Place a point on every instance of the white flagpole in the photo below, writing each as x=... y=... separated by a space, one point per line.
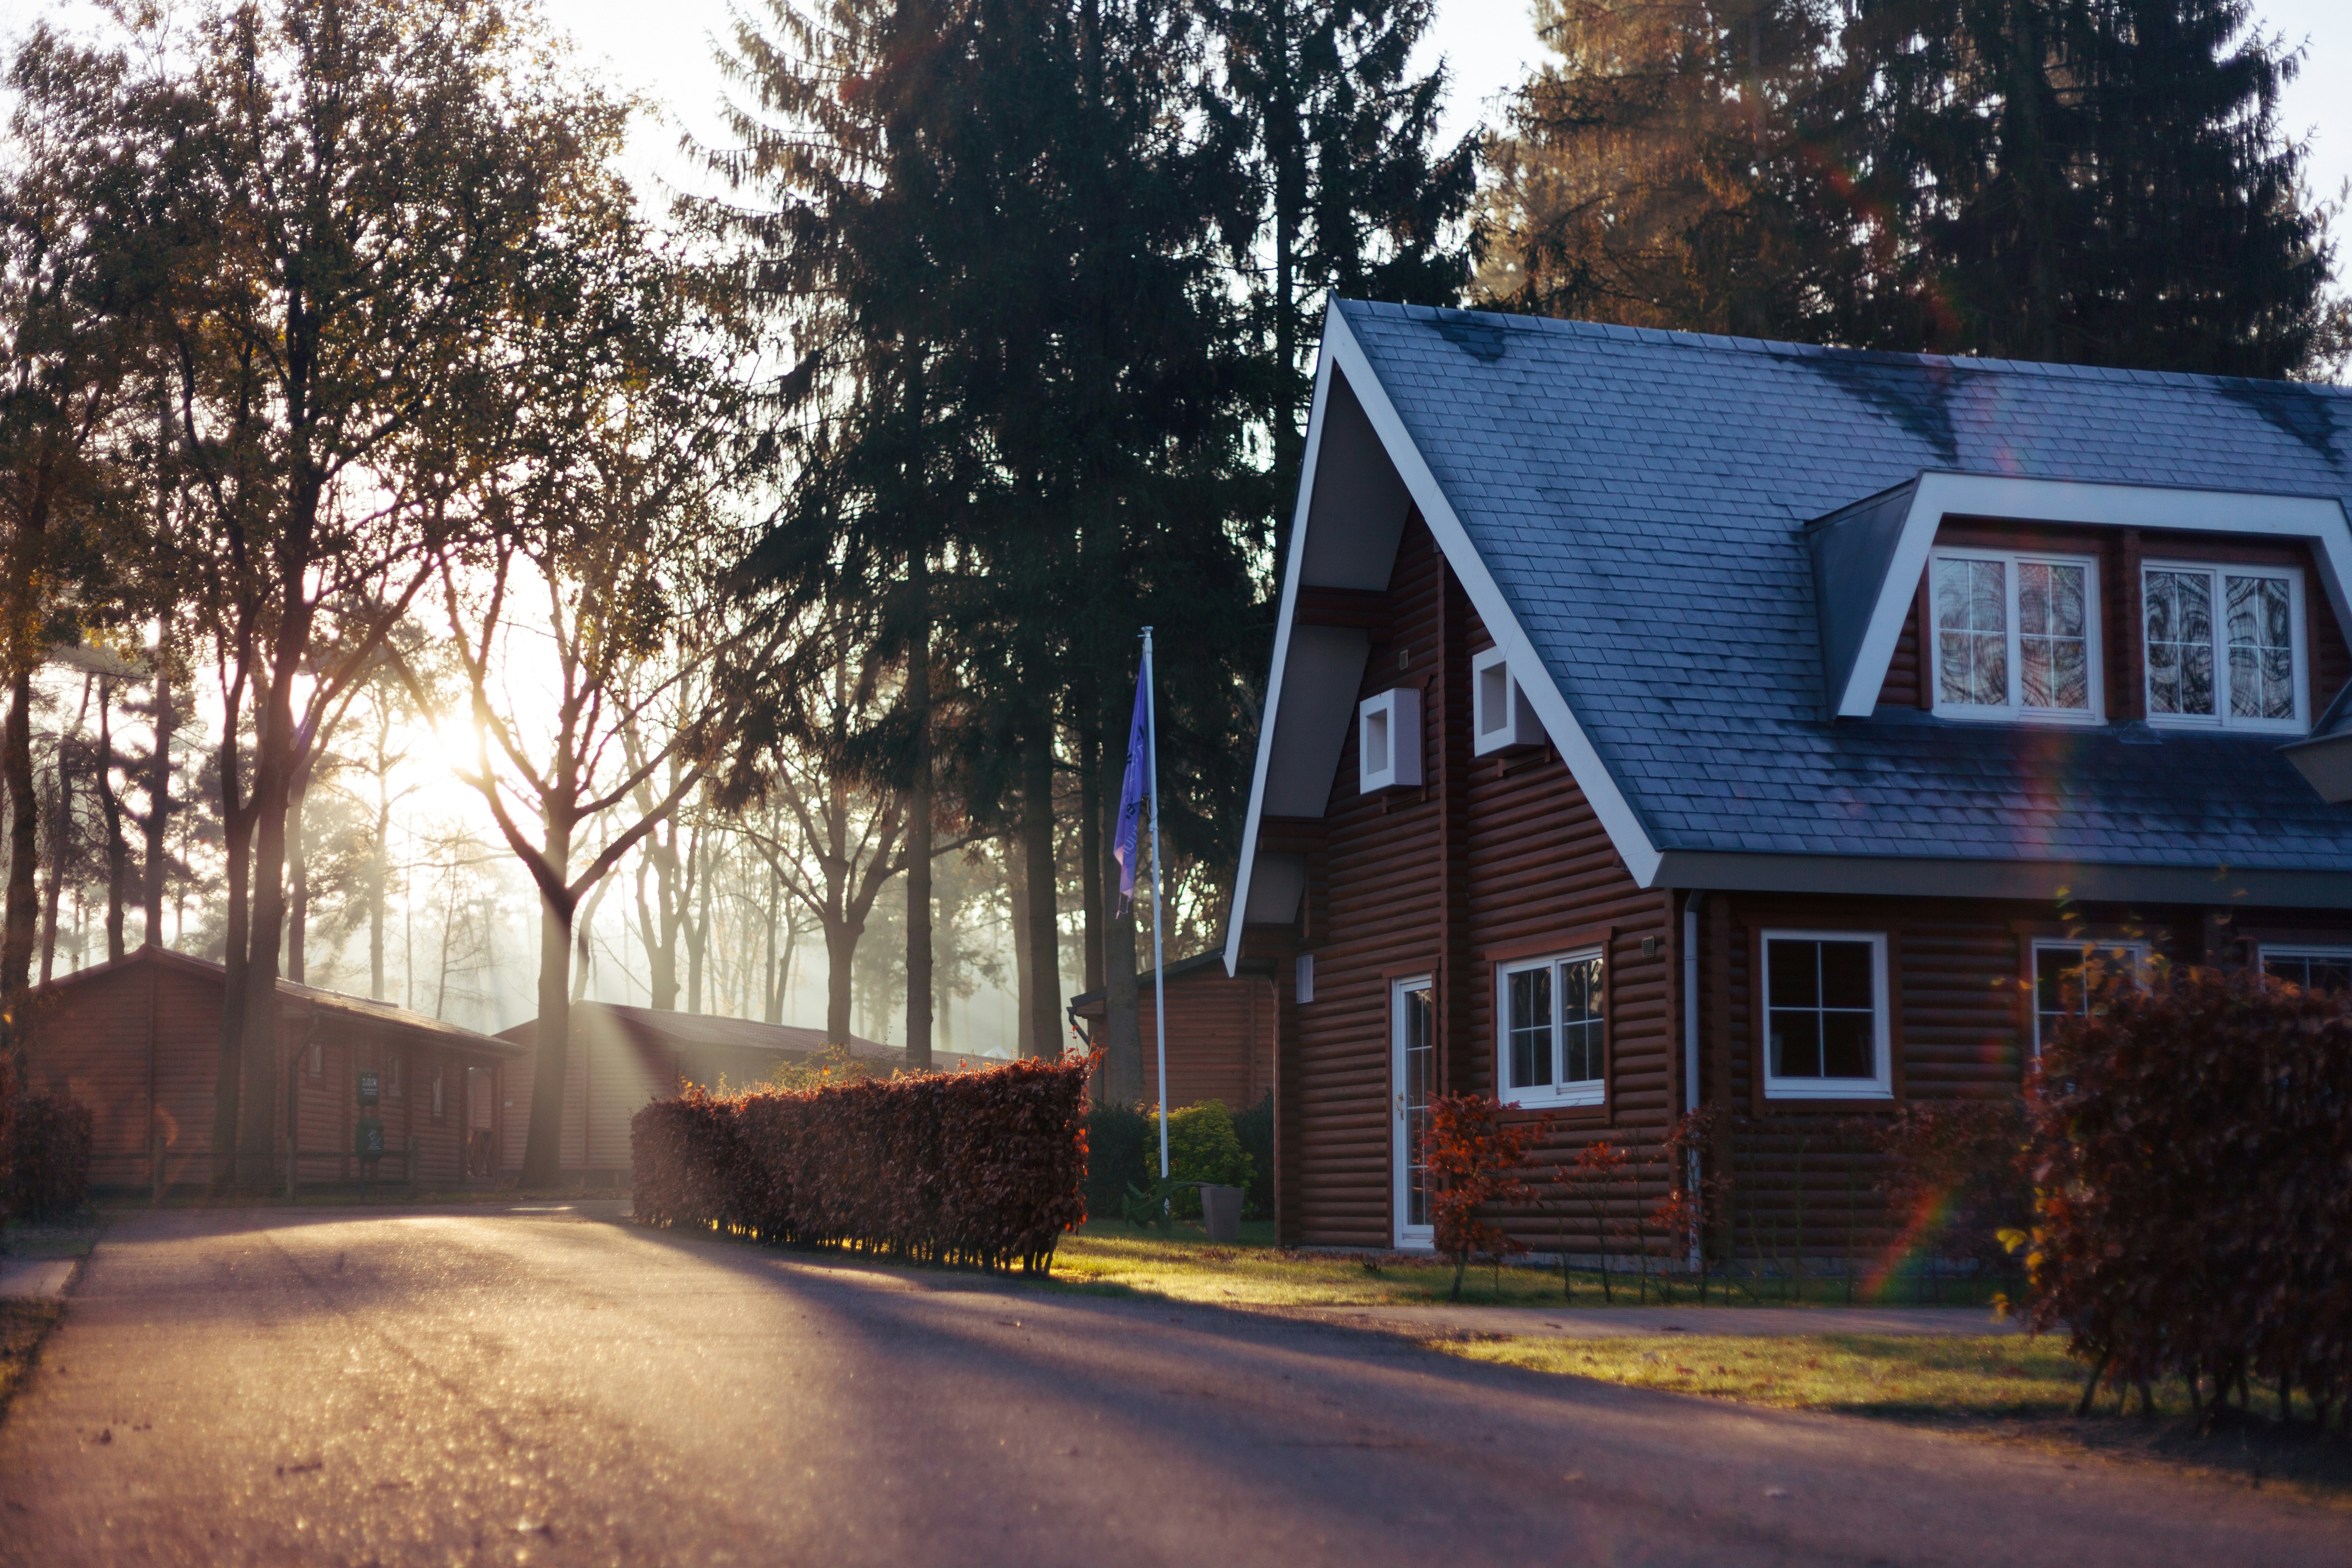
x=1159 y=958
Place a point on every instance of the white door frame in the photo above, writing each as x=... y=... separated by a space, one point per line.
x=1404 y=1235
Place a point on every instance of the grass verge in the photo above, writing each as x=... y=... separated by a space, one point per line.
x=24 y=1324
x=2009 y=1388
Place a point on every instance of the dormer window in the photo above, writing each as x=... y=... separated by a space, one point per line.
x=2016 y=636
x=1500 y=718
x=2224 y=646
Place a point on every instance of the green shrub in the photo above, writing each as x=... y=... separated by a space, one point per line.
x=1203 y=1147
x=1254 y=1127
x=1122 y=1151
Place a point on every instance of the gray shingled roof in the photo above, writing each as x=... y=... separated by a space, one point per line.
x=1640 y=496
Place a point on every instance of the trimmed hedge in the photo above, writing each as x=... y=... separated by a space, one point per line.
x=983 y=1169
x=46 y=1156
x=2192 y=1148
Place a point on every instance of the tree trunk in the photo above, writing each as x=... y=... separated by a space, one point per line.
x=1090 y=837
x=298 y=877
x=542 y=1158
x=110 y=806
x=1123 y=1077
x=840 y=956
x=275 y=760
x=60 y=856
x=16 y=935
x=698 y=936
x=1016 y=890
x=1037 y=852
x=237 y=857
x=378 y=887
x=918 y=819
x=159 y=803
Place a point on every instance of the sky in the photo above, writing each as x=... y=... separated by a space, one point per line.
x=664 y=52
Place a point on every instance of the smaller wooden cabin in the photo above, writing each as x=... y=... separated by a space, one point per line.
x=1220 y=1033
x=138 y=1041
x=621 y=1056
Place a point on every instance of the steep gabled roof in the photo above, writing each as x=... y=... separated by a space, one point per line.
x=1629 y=511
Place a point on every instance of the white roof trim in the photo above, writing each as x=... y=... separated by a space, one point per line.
x=1340 y=349
x=1237 y=915
x=2320 y=520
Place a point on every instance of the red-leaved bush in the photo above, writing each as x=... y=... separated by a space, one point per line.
x=1475 y=1159
x=1956 y=1177
x=985 y=1169
x=45 y=1157
x=2192 y=1159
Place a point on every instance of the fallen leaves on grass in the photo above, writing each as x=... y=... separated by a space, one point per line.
x=24 y=1324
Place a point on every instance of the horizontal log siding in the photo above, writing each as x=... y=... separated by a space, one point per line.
x=1220 y=1040
x=1380 y=903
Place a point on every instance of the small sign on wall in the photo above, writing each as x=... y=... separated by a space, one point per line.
x=368 y=1139
x=371 y=1086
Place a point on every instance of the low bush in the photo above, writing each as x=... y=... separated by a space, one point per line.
x=984 y=1168
x=1254 y=1127
x=2190 y=1148
x=1122 y=1151
x=1956 y=1178
x=46 y=1156
x=1474 y=1160
x=1203 y=1147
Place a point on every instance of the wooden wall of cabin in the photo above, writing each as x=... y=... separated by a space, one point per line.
x=1221 y=1034
x=608 y=1074
x=1493 y=857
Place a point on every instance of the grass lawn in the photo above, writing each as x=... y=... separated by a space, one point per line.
x=24 y=1324
x=2002 y=1387
x=1109 y=1255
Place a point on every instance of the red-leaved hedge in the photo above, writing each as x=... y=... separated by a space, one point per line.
x=985 y=1169
x=2192 y=1148
x=45 y=1157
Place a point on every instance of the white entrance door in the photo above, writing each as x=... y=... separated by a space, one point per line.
x=1413 y=1058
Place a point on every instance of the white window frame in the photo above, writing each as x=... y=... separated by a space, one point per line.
x=1581 y=1091
x=1881 y=1086
x=2219 y=571
x=1407 y=1238
x=2141 y=954
x=1388 y=739
x=1500 y=718
x=2267 y=951
x=2015 y=710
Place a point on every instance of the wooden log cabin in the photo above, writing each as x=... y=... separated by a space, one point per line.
x=1220 y=1033
x=1658 y=720
x=621 y=1056
x=137 y=1040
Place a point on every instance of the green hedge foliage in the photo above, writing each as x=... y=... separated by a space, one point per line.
x=45 y=1157
x=2192 y=1159
x=984 y=1169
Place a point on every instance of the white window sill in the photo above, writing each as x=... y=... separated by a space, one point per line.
x=1827 y=1088
x=1970 y=714
x=1552 y=1098
x=2227 y=727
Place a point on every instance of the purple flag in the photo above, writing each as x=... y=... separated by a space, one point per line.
x=1131 y=791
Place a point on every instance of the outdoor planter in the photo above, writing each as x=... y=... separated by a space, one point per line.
x=1220 y=1212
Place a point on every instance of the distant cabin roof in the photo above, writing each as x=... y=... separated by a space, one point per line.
x=1640 y=507
x=687 y=1031
x=334 y=1003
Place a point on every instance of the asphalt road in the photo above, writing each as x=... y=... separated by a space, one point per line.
x=445 y=1387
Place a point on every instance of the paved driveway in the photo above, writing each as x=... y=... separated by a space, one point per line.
x=438 y=1387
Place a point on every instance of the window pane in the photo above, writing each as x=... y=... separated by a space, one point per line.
x=2052 y=636
x=1793 y=973
x=1530 y=1028
x=1846 y=975
x=1972 y=632
x=1579 y=1051
x=2179 y=609
x=2057 y=980
x=1795 y=1044
x=2261 y=651
x=1849 y=1046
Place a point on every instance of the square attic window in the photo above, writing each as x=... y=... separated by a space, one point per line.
x=1500 y=717
x=1388 y=740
